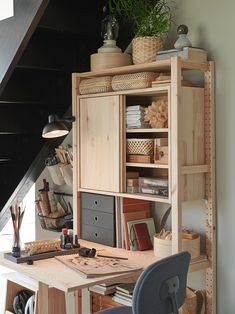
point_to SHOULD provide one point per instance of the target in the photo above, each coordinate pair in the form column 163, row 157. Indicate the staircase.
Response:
column 40, row 47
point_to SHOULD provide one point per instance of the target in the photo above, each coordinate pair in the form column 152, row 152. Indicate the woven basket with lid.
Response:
column 144, row 49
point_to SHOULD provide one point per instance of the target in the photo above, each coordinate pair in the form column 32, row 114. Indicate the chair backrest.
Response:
column 161, row 288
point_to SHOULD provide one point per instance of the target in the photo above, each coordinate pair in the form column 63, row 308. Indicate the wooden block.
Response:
column 132, row 174
column 140, row 159
column 190, row 235
column 133, row 205
column 161, row 141
column 132, row 182
column 161, row 155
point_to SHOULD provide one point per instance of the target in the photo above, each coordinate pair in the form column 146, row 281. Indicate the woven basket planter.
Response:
column 144, row 49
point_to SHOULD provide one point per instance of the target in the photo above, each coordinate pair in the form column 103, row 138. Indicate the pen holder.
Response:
column 16, row 245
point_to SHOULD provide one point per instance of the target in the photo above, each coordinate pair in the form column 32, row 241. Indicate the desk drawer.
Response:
column 97, row 202
column 97, row 218
column 98, row 235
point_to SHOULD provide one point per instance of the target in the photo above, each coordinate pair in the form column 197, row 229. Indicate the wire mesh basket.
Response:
column 54, row 223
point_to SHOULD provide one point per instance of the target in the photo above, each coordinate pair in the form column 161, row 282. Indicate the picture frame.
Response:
column 151, row 229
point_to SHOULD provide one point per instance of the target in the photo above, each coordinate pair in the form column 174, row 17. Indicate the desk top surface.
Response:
column 57, row 275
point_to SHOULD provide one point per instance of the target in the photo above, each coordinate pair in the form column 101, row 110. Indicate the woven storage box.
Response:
column 96, row 85
column 162, row 247
column 139, row 146
column 144, row 49
column 41, row 246
column 133, row 81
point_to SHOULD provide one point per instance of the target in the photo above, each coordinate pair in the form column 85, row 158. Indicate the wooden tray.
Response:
column 25, row 257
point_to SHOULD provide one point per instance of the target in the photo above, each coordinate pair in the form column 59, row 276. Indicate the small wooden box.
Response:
column 163, row 247
column 163, row 141
column 161, row 155
column 140, row 159
column 132, row 182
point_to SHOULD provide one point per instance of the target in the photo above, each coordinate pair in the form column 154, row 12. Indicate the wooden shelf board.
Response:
column 199, row 263
column 142, row 196
column 147, row 197
column 150, row 130
column 142, row 165
column 151, row 91
column 160, row 65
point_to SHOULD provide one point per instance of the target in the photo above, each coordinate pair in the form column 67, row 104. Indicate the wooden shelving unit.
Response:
column 190, row 133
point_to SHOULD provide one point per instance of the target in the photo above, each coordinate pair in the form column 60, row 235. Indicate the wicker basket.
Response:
column 42, row 246
column 133, row 81
column 144, row 49
column 139, row 146
column 96, row 85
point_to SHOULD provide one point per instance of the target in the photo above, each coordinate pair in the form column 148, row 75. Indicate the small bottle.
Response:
column 75, row 241
column 70, row 236
column 64, row 238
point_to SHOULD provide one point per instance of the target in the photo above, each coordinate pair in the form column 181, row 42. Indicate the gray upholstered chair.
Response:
column 160, row 289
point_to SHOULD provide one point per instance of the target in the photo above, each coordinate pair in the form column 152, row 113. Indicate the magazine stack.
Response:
column 135, row 117
column 123, row 294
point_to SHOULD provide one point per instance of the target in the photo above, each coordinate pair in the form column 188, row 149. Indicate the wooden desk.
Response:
column 52, row 273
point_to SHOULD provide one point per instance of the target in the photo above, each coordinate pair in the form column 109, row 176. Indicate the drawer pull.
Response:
column 96, row 218
column 96, row 202
column 96, row 234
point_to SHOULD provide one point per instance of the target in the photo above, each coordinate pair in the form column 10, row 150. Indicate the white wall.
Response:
column 211, row 26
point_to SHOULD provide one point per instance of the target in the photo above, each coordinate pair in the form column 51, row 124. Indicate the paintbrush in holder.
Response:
column 17, row 216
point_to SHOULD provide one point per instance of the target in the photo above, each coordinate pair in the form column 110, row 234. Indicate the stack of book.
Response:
column 104, row 289
column 135, row 117
column 193, row 54
column 124, row 293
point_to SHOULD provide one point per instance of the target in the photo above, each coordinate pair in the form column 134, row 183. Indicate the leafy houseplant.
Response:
column 150, row 19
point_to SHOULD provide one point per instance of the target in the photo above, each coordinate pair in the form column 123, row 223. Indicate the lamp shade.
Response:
column 54, row 128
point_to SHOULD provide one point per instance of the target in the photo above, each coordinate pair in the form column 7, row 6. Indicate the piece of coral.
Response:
column 157, row 113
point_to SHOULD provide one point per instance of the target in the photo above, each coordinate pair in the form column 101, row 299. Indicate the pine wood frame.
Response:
column 176, row 65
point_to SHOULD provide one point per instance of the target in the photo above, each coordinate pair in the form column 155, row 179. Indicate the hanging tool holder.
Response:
column 53, row 210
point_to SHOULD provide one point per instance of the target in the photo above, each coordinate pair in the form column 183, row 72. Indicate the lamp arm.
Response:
column 68, row 119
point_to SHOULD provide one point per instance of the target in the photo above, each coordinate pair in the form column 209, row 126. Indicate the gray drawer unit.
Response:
column 98, row 202
column 98, row 218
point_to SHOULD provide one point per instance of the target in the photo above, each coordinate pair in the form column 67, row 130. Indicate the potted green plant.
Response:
column 150, row 19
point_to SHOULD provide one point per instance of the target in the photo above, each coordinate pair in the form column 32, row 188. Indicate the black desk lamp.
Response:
column 56, row 127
